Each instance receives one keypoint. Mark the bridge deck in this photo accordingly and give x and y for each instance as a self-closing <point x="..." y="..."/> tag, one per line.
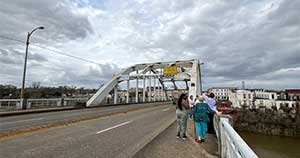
<point x="118" y="135"/>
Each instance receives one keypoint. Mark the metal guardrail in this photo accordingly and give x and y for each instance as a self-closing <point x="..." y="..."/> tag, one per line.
<point x="15" y="104"/>
<point x="9" y="104"/>
<point x="230" y="143"/>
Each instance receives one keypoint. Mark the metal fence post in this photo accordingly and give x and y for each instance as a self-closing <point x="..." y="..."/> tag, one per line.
<point x="222" y="138"/>
<point x="28" y="105"/>
<point x="23" y="104"/>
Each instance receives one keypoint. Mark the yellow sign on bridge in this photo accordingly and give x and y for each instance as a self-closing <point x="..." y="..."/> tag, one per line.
<point x="170" y="70"/>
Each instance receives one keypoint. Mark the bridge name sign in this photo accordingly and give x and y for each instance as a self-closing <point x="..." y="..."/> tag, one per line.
<point x="170" y="70"/>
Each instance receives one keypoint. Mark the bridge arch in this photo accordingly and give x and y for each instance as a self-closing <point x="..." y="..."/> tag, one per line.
<point x="158" y="80"/>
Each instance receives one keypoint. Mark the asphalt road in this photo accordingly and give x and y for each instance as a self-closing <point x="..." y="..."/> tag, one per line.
<point x="25" y="121"/>
<point x="114" y="136"/>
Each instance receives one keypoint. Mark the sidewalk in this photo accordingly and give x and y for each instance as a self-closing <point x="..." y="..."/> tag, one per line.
<point x="166" y="145"/>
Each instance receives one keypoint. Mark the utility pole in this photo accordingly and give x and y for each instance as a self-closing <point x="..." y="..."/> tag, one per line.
<point x="23" y="102"/>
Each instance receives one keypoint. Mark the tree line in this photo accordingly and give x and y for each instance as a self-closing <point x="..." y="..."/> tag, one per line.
<point x="36" y="91"/>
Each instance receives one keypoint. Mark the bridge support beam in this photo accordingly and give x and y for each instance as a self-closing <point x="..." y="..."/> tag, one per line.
<point x="137" y="91"/>
<point x="158" y="91"/>
<point x="154" y="88"/>
<point x="127" y="97"/>
<point x="144" y="89"/>
<point x="149" y="91"/>
<point x="115" y="94"/>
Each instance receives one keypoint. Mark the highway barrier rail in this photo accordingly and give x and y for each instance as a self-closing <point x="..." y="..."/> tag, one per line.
<point x="15" y="104"/>
<point x="230" y="143"/>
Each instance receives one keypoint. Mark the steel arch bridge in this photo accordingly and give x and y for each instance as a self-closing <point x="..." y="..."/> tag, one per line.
<point x="157" y="81"/>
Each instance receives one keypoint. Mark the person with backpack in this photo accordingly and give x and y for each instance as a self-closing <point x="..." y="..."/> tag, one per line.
<point x="182" y="108"/>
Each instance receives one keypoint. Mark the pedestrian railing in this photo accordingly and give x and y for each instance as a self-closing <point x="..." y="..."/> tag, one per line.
<point x="230" y="143"/>
<point x="9" y="104"/>
<point x="15" y="104"/>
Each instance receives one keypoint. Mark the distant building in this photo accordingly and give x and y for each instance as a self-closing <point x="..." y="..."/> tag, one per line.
<point x="255" y="98"/>
<point x="265" y="98"/>
<point x="222" y="93"/>
<point x="269" y="99"/>
<point x="293" y="94"/>
<point x="241" y="98"/>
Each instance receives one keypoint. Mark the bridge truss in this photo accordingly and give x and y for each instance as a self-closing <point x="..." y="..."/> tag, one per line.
<point x="156" y="85"/>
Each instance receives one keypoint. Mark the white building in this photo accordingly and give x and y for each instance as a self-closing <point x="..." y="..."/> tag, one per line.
<point x="264" y="98"/>
<point x="241" y="98"/>
<point x="221" y="93"/>
<point x="258" y="97"/>
<point x="265" y="94"/>
<point x="269" y="99"/>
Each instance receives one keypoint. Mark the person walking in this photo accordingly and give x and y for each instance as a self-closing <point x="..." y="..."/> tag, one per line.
<point x="209" y="99"/>
<point x="191" y="104"/>
<point x="201" y="118"/>
<point x="182" y="115"/>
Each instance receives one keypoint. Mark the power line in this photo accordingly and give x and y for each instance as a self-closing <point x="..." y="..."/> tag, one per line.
<point x="52" y="50"/>
<point x="12" y="39"/>
<point x="65" y="54"/>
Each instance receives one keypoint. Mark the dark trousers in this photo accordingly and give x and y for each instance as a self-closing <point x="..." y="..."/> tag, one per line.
<point x="210" y="124"/>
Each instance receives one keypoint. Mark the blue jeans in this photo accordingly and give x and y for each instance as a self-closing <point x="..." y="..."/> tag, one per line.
<point x="201" y="128"/>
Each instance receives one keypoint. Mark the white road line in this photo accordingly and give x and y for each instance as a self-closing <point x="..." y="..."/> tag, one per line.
<point x="116" y="126"/>
<point x="5" y="123"/>
<point x="165" y="109"/>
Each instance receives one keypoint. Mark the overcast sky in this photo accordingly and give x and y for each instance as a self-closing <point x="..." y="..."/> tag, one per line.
<point x="256" y="41"/>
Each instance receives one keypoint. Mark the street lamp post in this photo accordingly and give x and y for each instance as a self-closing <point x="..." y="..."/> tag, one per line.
<point x="23" y="103"/>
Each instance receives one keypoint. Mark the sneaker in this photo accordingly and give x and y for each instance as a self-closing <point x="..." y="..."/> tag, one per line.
<point x="184" y="137"/>
<point x="202" y="140"/>
<point x="178" y="136"/>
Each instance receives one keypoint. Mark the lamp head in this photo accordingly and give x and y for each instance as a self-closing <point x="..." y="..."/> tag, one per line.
<point x="41" y="27"/>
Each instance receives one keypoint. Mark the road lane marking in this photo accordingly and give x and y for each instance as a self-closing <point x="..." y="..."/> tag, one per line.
<point x="35" y="119"/>
<point x="165" y="109"/>
<point x="116" y="126"/>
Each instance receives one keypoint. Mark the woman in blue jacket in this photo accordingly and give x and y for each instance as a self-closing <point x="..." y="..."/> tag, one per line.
<point x="201" y="118"/>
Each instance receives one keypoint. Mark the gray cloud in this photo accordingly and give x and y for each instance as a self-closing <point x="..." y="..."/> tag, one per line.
<point x="254" y="41"/>
<point x="56" y="16"/>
